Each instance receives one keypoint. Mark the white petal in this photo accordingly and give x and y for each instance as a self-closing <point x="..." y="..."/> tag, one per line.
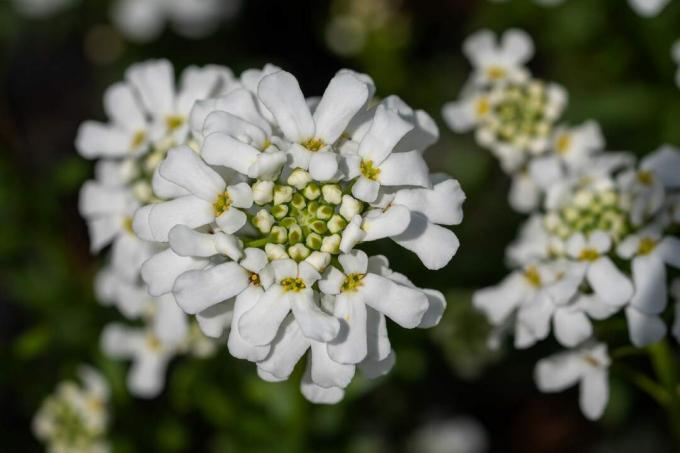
<point x="102" y="140"/>
<point x="119" y="341"/>
<point x="498" y="302"/>
<point x="594" y="393"/>
<point x="442" y="204"/>
<point x="231" y="220"/>
<point x="128" y="254"/>
<point x="154" y="83"/>
<point x="609" y="283"/>
<point x="373" y="369"/>
<point x="344" y="97"/>
<point x="121" y="105"/>
<point x="287" y="348"/>
<point x="281" y="94"/>
<point x="525" y="195"/>
<point x="165" y="189"/>
<point x="103" y="230"/>
<point x="649" y="277"/>
<point x="670" y="251"/>
<point x="259" y="325"/>
<point x="238" y="347"/>
<point x="365" y="189"/>
<point x="355" y="262"/>
<point x="387" y="129"/>
<point x="195" y="83"/>
<point x="379" y="347"/>
<point x="389" y="223"/>
<point x="405" y="306"/>
<point x="325" y="372"/>
<point x="435" y="309"/>
<point x="517" y="45"/>
<point x="183" y="167"/>
<point x="221" y="149"/>
<point x="404" y="169"/>
<point x="169" y="323"/>
<point x="351" y="344"/>
<point x="189" y="210"/>
<point x="332" y="281"/>
<point x="197" y="290"/>
<point x="186" y="241"/>
<point x="559" y="372"/>
<point x="214" y="320"/>
<point x="146" y="377"/>
<point x="434" y="245"/>
<point x="572" y="326"/>
<point x="161" y="270"/>
<point x="323" y="165"/>
<point x="314" y="323"/>
<point x="644" y="329"/>
<point x="460" y="115"/>
<point x="320" y="395"/>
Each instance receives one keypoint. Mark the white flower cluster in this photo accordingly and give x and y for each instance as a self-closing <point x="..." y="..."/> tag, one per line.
<point x="262" y="215"/>
<point x="644" y="8"/>
<point x="516" y="117"/>
<point x="75" y="417"/>
<point x="598" y="245"/>
<point x="147" y="116"/>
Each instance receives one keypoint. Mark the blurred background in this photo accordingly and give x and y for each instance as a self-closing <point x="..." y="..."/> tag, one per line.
<point x="54" y="69"/>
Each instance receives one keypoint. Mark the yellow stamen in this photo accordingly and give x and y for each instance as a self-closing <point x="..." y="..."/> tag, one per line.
<point x="222" y="204"/>
<point x="254" y="279"/>
<point x="533" y="276"/>
<point x="563" y="144"/>
<point x="173" y="122"/>
<point x="645" y="177"/>
<point x="353" y="282"/>
<point x="137" y="140"/>
<point x="294" y="285"/>
<point x="646" y="246"/>
<point x="369" y="171"/>
<point x="313" y="144"/>
<point x="589" y="255"/>
<point x="483" y="107"/>
<point x="495" y="73"/>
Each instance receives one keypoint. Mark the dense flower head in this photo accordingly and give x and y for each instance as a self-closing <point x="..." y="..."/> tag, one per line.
<point x="263" y="216"/>
<point x="75" y="417"/>
<point x="517" y="118"/>
<point x="147" y="115"/>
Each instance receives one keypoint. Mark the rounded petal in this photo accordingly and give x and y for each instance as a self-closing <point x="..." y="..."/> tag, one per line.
<point x="404" y="169"/>
<point x="405" y="306"/>
<point x="609" y="283"/>
<point x="386" y="130"/>
<point x="326" y="372"/>
<point x="185" y="168"/>
<point x="644" y="329"/>
<point x="649" y="277"/>
<point x="572" y="326"/>
<point x="287" y="349"/>
<point x="281" y="94"/>
<point x="389" y="223"/>
<point x="214" y="320"/>
<point x="434" y="245"/>
<point x="197" y="290"/>
<point x="345" y="95"/>
<point x="351" y="344"/>
<point x="189" y="210"/>
<point x="314" y="323"/>
<point x="559" y="372"/>
<point x="594" y="393"/>
<point x="259" y="325"/>
<point x="161" y="270"/>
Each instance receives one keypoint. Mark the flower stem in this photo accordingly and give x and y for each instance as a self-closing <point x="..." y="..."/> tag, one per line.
<point x="259" y="242"/>
<point x="664" y="364"/>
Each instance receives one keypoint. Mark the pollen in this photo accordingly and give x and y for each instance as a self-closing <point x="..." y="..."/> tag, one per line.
<point x="645" y="177"/>
<point x="266" y="144"/>
<point x="254" y="279"/>
<point x="173" y="122"/>
<point x="127" y="224"/>
<point x="353" y="282"/>
<point x="495" y="73"/>
<point x="563" y="144"/>
<point x="137" y="140"/>
<point x="592" y="361"/>
<point x="294" y="285"/>
<point x="483" y="107"/>
<point x="313" y="144"/>
<point x="222" y="204"/>
<point x="646" y="246"/>
<point x="369" y="171"/>
<point x="532" y="275"/>
<point x="153" y="342"/>
<point x="588" y="254"/>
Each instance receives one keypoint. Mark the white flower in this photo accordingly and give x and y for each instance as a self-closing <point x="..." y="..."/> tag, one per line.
<point x="460" y="434"/>
<point x="498" y="61"/>
<point x="149" y="355"/>
<point x="587" y="366"/>
<point x="143" y="20"/>
<point x="356" y="291"/>
<point x="75" y="417"/>
<point x="648" y="8"/>
<point x="275" y="188"/>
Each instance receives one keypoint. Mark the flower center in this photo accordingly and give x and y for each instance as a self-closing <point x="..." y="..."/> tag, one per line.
<point x="518" y="114"/>
<point x="254" y="279"/>
<point x="590" y="210"/>
<point x="222" y="204"/>
<point x="532" y="275"/>
<point x="304" y="217"/>
<point x="592" y="361"/>
<point x="127" y="225"/>
<point x="137" y="140"/>
<point x="646" y="246"/>
<point x="369" y="171"/>
<point x="495" y="73"/>
<point x="294" y="285"/>
<point x="563" y="144"/>
<point x="588" y="254"/>
<point x="483" y="107"/>
<point x="153" y="343"/>
<point x="173" y="122"/>
<point x="645" y="177"/>
<point x="353" y="282"/>
<point x="313" y="144"/>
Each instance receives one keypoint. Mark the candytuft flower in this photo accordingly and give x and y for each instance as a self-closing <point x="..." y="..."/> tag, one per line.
<point x="76" y="417"/>
<point x="263" y="216"/>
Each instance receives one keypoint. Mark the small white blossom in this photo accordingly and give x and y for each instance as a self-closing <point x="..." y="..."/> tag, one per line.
<point x="144" y="20"/>
<point x="587" y="366"/>
<point x="76" y="417"/>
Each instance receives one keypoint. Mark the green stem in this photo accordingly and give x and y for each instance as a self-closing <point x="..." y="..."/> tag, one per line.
<point x="664" y="364"/>
<point x="644" y="383"/>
